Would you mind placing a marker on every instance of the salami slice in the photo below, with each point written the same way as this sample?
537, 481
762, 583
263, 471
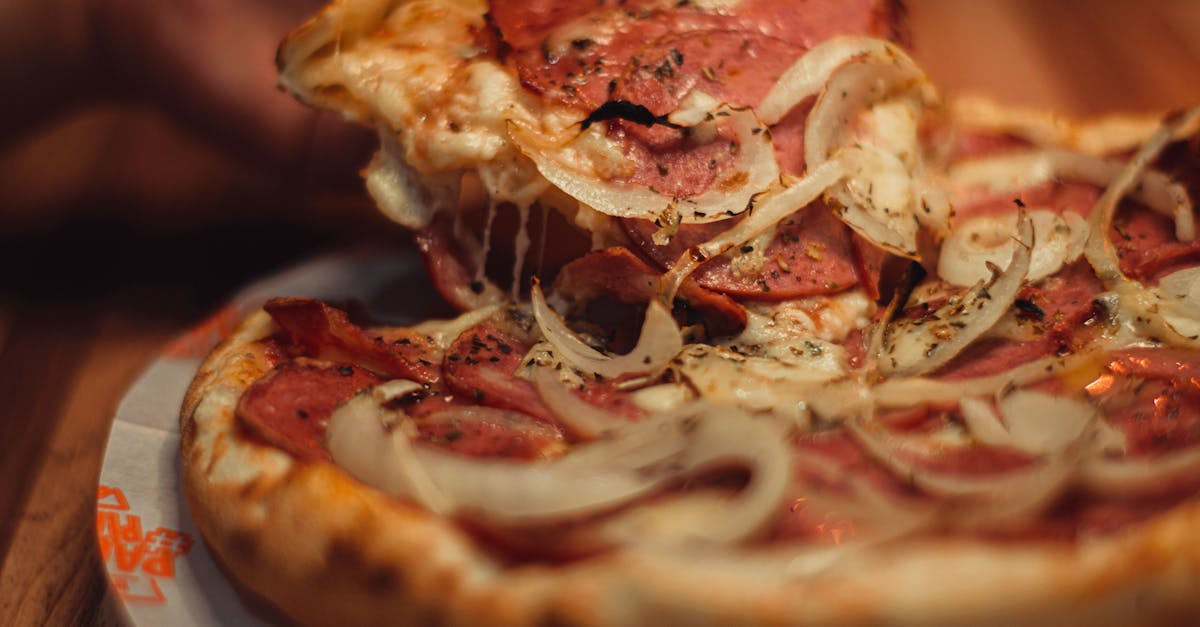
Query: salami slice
1153, 396
481, 365
452, 275
1147, 247
290, 406
652, 54
321, 331
810, 255
1053, 316
488, 432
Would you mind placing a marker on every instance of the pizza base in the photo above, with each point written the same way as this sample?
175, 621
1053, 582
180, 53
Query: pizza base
328, 550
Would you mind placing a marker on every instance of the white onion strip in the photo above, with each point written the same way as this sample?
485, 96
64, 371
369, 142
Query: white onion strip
1015, 171
1105, 135
1042, 424
1133, 296
880, 196
810, 72
903, 392
446, 483
1137, 477
585, 168
358, 442
660, 340
921, 345
725, 438
767, 212
584, 419
593, 478
975, 243
990, 500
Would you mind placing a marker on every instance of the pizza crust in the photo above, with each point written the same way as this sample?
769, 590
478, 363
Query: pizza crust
329, 550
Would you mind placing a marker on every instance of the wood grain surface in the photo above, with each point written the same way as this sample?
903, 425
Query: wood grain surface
88, 295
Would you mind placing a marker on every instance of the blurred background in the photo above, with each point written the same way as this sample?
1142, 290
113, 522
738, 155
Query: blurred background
126, 162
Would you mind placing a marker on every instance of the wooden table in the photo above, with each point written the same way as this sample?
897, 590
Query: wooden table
86, 304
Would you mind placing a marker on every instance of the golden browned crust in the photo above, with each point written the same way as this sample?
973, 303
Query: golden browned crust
329, 550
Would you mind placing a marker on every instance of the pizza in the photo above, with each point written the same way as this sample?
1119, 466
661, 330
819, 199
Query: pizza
755, 329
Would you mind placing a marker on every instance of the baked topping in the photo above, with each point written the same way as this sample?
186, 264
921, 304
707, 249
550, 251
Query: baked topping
816, 300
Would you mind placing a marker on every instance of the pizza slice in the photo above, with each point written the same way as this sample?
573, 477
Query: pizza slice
755, 330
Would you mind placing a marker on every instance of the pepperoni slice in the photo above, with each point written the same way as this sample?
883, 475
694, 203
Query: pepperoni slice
487, 432
320, 331
481, 365
1056, 309
810, 255
571, 50
290, 406
736, 67
1153, 396
452, 275
1146, 245
584, 54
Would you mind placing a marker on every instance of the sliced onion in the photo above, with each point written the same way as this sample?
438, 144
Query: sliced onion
358, 441
593, 478
659, 341
879, 200
664, 397
904, 392
855, 87
1098, 136
812, 70
1179, 301
983, 423
990, 500
777, 205
446, 483
1141, 304
1139, 477
445, 331
890, 87
586, 168
584, 419
984, 240
1041, 424
924, 344
1011, 172
721, 438
754, 383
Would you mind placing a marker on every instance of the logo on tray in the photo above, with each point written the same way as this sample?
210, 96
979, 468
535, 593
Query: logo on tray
136, 558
